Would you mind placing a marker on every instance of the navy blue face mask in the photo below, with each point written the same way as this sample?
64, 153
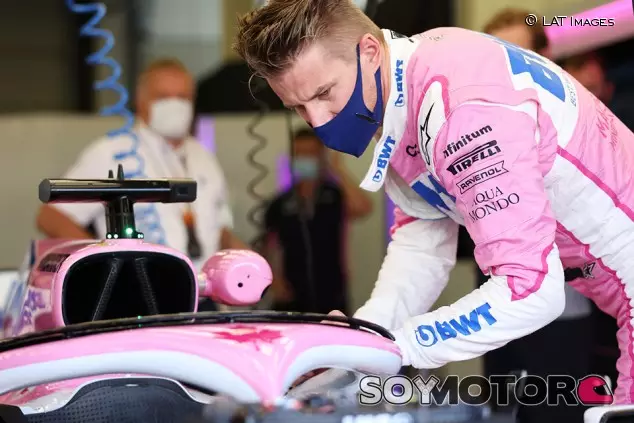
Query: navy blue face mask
352, 129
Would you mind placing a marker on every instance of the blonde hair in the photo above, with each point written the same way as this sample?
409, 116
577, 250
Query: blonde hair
162, 64
270, 38
511, 17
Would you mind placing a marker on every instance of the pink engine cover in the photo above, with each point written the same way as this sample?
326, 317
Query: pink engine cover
41, 307
232, 277
253, 361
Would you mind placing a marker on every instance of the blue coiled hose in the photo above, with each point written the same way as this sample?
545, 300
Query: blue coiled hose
146, 215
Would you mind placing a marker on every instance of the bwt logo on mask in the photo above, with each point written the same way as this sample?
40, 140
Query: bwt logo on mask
427, 335
384, 159
398, 75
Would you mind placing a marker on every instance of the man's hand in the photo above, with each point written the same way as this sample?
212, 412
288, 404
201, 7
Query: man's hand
229, 240
335, 313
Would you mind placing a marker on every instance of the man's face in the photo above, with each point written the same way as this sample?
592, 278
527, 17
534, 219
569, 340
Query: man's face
163, 84
591, 76
307, 147
519, 35
319, 84
307, 158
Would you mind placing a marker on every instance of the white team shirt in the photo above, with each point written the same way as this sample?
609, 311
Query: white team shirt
211, 208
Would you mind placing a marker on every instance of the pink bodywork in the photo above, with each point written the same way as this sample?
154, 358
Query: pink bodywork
251, 362
42, 305
233, 277
236, 277
254, 362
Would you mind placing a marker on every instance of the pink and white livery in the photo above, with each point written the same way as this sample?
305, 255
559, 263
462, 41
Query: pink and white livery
94, 312
484, 134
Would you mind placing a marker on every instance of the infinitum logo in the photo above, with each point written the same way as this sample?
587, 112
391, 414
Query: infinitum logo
478, 390
452, 147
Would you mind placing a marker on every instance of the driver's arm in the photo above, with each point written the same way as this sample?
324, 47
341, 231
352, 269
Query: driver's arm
415, 270
508, 215
56, 224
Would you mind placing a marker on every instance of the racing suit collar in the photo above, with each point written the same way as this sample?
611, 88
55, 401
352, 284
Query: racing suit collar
400, 49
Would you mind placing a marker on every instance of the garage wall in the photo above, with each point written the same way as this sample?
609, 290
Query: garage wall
37, 56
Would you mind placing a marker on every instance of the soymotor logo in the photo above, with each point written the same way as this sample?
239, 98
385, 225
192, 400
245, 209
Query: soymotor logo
526, 390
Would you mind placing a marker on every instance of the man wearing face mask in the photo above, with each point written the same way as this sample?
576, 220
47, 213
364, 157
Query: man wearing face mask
306, 226
474, 131
165, 148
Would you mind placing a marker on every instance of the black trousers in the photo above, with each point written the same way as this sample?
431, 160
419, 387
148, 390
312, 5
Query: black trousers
564, 347
561, 348
605, 351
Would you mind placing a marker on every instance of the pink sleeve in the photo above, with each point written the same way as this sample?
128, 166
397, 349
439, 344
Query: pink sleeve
499, 190
486, 156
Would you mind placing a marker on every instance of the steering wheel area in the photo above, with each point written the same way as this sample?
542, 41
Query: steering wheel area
249, 356
188, 319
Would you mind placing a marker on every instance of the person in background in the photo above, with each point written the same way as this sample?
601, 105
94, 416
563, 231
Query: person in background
510, 25
564, 344
164, 96
589, 70
306, 229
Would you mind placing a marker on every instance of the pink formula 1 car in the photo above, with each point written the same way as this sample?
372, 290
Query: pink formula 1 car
107, 331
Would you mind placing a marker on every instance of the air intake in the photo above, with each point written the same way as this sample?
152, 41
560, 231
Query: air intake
127, 284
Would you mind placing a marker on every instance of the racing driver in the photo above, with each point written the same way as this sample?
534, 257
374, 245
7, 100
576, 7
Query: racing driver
472, 131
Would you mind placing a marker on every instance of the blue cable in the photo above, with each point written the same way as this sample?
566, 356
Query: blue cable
148, 220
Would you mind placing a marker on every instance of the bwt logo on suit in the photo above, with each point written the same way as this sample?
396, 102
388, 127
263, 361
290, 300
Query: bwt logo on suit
528, 390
